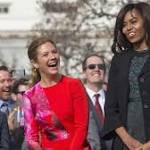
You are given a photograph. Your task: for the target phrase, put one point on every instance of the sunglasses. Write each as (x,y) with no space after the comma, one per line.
(93,66)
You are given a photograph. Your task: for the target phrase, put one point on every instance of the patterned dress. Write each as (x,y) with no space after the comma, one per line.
(135,126)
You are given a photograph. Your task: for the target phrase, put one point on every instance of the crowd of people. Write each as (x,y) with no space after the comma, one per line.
(53,111)
(12,124)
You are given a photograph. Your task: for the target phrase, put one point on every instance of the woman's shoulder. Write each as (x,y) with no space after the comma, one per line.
(122,56)
(33,89)
(71,79)
(73,83)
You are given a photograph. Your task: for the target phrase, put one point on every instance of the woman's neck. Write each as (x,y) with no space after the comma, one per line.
(48,81)
(141,47)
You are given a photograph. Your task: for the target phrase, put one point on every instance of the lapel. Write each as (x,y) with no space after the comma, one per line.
(123,64)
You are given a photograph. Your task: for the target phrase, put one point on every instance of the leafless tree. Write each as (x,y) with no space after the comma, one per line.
(79,27)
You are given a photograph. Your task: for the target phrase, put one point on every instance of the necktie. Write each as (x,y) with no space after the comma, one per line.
(98,108)
(4,108)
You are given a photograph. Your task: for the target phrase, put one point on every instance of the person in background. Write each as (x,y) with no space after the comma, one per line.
(127,106)
(56,106)
(18,89)
(94,69)
(6,103)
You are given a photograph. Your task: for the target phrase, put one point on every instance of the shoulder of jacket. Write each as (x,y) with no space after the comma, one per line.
(72,79)
(120,56)
(32,90)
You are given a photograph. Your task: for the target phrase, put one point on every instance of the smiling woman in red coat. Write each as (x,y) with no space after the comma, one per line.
(56,106)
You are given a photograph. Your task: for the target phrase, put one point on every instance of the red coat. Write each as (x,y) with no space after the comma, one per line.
(63,108)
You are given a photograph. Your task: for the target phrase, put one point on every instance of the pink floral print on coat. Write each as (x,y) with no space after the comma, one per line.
(39,117)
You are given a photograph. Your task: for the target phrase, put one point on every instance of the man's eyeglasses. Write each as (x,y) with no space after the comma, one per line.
(93,66)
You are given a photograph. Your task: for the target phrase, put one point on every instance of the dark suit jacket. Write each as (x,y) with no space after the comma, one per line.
(4,133)
(118,93)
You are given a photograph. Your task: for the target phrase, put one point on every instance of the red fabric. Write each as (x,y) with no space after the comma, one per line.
(69,101)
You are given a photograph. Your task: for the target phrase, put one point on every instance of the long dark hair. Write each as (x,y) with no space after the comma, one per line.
(120,43)
(32,54)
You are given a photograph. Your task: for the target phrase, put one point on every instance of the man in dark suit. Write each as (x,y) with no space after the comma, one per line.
(4,133)
(94,71)
(6,103)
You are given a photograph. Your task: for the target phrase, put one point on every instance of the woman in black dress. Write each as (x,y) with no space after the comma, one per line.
(128,99)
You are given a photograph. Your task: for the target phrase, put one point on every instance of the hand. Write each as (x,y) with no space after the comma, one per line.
(127,139)
(145,146)
(34,145)
(133,144)
(11,119)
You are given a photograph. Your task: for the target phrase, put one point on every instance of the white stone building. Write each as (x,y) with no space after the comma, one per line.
(16,20)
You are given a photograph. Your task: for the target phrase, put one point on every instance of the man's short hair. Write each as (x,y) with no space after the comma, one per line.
(4,68)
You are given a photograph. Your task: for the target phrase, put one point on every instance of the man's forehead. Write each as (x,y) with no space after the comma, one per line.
(4,74)
(94,58)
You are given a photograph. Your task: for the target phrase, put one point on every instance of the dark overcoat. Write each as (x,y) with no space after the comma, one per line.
(118,94)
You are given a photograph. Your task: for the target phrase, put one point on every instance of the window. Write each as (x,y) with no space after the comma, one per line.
(4,8)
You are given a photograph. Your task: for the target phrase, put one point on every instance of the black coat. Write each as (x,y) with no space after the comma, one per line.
(118,93)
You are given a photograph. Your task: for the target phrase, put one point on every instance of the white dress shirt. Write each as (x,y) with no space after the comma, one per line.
(101,97)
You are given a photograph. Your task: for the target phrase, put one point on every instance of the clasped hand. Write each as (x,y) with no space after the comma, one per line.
(145,146)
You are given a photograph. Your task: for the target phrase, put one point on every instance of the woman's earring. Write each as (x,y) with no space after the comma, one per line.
(34,69)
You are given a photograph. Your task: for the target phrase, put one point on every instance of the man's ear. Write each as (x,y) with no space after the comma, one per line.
(35,65)
(83,75)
